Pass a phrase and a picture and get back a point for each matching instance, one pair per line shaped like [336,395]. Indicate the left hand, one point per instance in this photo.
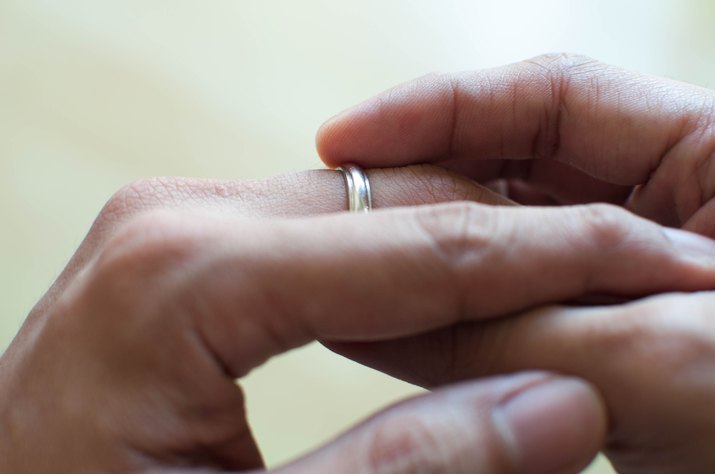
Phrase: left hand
[128,363]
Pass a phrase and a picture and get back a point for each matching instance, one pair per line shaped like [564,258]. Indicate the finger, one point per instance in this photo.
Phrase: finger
[257,288]
[323,191]
[304,193]
[649,359]
[291,195]
[526,423]
[562,339]
[614,125]
[297,194]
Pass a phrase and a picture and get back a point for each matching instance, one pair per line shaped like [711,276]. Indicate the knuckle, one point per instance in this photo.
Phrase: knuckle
[165,192]
[559,70]
[559,66]
[554,73]
[125,212]
[137,196]
[405,444]
[458,232]
[675,330]
[606,227]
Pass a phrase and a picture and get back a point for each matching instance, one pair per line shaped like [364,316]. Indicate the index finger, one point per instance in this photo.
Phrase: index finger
[615,125]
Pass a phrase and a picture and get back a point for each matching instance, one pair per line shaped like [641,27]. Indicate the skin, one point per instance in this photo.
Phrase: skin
[559,130]
[128,364]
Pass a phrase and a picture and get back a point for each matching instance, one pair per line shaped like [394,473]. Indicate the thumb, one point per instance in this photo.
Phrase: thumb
[530,423]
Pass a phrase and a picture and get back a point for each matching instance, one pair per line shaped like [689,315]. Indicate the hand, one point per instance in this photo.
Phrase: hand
[128,363]
[556,129]
[561,130]
[651,359]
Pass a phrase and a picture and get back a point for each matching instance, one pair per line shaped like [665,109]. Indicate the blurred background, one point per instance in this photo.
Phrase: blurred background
[94,95]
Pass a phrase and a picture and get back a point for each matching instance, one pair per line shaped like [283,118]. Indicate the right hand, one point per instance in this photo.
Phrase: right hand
[563,130]
[556,129]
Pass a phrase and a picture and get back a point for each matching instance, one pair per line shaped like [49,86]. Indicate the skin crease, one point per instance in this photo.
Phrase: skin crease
[183,285]
[558,130]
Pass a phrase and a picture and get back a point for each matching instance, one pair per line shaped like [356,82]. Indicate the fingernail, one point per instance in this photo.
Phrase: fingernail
[691,244]
[552,426]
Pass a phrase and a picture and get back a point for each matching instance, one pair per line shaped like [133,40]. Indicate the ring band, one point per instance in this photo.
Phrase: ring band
[358,186]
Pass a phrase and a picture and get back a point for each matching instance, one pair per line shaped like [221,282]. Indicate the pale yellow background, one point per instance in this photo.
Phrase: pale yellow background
[95,94]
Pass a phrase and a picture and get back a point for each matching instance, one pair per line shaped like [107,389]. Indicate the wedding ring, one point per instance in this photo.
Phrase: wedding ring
[358,186]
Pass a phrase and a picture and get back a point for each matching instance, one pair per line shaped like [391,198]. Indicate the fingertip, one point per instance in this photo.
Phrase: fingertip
[558,425]
[406,124]
[331,139]
[358,135]
[531,422]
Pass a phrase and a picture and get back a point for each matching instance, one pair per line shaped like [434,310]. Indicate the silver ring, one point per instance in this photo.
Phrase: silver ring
[359,195]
